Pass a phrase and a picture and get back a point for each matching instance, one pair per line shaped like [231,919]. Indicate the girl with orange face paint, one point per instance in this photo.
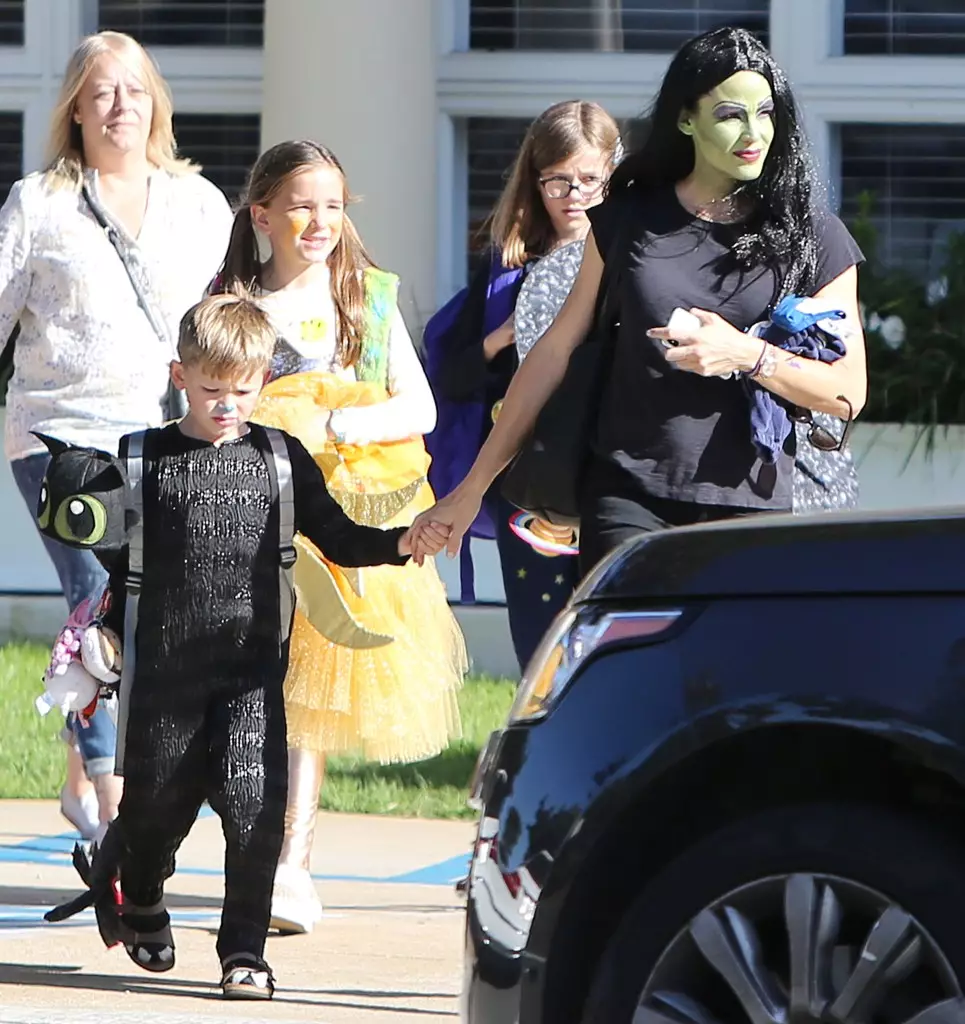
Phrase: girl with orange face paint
[365,676]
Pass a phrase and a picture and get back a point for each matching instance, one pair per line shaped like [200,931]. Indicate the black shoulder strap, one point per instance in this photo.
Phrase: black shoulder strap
[466,329]
[273,445]
[6,356]
[607,309]
[138,282]
[132,456]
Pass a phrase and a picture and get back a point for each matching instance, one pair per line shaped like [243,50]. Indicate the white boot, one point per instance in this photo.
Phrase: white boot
[81,811]
[295,906]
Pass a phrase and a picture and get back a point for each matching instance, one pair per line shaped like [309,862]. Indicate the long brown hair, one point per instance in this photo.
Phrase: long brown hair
[519,224]
[242,264]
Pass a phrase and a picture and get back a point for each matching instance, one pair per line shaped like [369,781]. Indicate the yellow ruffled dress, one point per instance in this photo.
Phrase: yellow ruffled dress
[379,671]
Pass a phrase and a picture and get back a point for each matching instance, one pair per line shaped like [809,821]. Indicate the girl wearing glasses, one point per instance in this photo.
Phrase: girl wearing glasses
[559,173]
[718,213]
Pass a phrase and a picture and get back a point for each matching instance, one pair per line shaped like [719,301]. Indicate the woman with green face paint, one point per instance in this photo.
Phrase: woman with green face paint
[717,213]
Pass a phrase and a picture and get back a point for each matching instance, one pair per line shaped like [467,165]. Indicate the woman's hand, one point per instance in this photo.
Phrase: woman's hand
[452,516]
[715,349]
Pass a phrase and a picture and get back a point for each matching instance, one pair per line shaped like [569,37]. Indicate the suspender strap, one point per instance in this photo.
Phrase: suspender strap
[286,528]
[134,460]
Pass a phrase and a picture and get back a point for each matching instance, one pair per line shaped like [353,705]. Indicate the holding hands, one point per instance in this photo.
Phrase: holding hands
[445,524]
[429,538]
[715,348]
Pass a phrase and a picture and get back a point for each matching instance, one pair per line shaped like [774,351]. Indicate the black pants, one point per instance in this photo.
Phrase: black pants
[537,587]
[615,509]
[226,745]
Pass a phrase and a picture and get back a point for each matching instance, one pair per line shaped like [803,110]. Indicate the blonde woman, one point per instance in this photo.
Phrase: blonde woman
[91,361]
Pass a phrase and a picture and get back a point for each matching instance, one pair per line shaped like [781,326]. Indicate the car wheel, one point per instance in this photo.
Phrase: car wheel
[810,914]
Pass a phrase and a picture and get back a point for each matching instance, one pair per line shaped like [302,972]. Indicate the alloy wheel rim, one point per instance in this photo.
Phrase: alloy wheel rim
[802,949]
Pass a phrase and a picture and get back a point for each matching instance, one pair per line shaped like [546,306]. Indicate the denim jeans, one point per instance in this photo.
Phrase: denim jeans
[80,574]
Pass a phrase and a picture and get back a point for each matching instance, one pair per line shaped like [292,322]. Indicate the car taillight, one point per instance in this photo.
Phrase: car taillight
[573,637]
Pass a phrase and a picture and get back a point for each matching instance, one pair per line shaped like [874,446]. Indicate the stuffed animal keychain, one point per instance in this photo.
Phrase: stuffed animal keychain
[85,659]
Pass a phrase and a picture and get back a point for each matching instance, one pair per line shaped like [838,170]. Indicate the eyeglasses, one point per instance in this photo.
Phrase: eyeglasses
[558,187]
[821,438]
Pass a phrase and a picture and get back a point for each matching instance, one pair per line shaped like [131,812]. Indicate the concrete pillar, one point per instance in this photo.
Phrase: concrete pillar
[360,77]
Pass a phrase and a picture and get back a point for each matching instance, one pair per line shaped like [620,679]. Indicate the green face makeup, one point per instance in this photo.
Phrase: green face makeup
[732,129]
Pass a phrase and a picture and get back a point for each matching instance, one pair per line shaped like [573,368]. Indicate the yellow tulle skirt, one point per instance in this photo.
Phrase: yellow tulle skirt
[388,690]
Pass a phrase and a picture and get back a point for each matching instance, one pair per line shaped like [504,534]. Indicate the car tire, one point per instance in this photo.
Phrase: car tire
[917,865]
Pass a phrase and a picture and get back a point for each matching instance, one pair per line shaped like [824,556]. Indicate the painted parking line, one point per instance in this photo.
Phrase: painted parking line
[57,850]
[18,920]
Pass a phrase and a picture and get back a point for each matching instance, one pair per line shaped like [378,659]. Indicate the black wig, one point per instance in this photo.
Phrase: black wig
[779,230]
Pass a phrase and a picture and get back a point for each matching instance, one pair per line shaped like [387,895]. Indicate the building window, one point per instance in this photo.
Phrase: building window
[225,145]
[186,22]
[655,26]
[911,174]
[11,150]
[923,27]
[11,22]
[492,143]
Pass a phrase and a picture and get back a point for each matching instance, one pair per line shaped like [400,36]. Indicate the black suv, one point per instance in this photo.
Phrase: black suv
[732,787]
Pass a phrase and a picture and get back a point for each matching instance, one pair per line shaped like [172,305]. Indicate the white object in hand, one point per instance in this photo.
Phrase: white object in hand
[681,322]
[71,690]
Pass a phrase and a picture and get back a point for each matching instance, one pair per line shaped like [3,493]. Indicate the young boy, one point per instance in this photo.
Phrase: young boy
[204,716]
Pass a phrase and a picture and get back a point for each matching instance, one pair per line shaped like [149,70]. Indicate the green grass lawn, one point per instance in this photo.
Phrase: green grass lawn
[32,756]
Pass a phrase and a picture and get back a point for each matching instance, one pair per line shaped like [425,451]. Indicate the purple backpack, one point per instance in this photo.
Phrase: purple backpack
[460,426]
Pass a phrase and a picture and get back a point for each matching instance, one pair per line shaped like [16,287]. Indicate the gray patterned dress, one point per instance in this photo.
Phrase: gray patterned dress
[823,481]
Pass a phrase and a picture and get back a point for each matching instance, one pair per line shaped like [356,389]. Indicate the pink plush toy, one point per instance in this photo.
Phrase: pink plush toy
[85,657]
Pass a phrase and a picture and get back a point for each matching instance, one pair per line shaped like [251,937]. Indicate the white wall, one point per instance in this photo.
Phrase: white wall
[360,77]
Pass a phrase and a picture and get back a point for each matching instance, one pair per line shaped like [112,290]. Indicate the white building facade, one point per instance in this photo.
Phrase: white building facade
[425,101]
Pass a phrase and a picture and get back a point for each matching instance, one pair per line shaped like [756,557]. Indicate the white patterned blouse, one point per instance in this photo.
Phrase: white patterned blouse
[88,367]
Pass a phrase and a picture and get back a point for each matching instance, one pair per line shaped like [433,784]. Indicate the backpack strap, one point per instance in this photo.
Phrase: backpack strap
[281,471]
[133,461]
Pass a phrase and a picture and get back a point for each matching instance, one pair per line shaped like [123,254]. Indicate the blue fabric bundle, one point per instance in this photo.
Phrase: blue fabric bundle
[805,328]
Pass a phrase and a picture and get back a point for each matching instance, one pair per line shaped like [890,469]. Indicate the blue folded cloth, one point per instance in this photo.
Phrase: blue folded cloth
[794,314]
[805,328]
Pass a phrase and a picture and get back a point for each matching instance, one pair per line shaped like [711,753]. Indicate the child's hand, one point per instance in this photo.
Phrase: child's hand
[426,539]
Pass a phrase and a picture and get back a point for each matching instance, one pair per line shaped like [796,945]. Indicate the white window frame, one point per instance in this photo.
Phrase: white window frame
[805,38]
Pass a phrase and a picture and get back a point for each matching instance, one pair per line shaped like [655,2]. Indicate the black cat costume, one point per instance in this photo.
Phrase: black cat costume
[194,536]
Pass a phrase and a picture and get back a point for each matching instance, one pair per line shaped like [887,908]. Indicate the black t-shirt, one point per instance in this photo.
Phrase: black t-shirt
[673,433]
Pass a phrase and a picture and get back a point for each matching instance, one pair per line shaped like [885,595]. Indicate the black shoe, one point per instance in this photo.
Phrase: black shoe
[462,886]
[148,938]
[246,976]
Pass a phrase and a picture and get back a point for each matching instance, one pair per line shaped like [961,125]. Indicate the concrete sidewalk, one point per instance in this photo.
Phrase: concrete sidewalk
[388,950]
